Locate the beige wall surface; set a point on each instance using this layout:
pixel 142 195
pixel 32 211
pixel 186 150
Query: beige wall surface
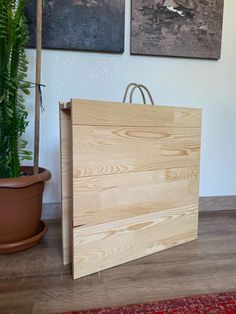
pixel 205 84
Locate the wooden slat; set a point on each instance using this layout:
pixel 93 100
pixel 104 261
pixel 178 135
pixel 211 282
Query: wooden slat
pixel 107 245
pixel 100 150
pixel 91 112
pixel 66 184
pixel 206 203
pixel 112 197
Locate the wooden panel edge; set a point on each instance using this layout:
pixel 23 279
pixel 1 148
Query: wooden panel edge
pixel 66 185
pixel 107 102
pixel 121 114
pixel 65 105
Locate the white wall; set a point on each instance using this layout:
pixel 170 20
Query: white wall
pixel 209 85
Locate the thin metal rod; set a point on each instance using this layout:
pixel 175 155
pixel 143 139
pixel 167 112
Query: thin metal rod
pixel 127 90
pixel 38 81
pixel 132 92
pixel 134 85
pixel 148 92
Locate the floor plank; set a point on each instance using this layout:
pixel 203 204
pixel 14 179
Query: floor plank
pixel 35 281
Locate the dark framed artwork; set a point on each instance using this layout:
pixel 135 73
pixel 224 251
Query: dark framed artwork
pixel 92 25
pixel 179 28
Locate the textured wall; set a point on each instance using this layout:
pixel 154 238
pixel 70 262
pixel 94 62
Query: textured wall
pixel 209 85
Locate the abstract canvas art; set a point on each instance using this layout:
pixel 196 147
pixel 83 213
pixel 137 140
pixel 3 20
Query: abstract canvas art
pixel 93 25
pixel 179 28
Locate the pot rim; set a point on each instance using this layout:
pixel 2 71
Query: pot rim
pixel 23 181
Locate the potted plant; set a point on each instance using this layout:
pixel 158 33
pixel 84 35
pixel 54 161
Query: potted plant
pixel 20 190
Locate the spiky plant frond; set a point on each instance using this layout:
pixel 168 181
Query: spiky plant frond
pixel 13 68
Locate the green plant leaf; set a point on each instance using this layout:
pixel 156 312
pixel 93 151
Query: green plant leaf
pixel 13 70
pixel 2 98
pixel 25 91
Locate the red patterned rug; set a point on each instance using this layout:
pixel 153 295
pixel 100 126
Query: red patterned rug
pixel 205 304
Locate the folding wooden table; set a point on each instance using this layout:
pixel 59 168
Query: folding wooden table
pixel 130 180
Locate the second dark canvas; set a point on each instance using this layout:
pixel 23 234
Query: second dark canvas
pixel 93 25
pixel 179 28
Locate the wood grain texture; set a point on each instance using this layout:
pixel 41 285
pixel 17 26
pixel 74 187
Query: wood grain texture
pixel 92 112
pixel 35 281
pixel 102 246
pixel 39 15
pixel 206 203
pixel 107 198
pixel 66 184
pixel 135 168
pixel 100 150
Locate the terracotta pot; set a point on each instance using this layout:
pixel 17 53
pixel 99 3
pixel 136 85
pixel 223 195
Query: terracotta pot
pixel 21 206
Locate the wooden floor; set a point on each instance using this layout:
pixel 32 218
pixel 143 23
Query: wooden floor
pixel 35 281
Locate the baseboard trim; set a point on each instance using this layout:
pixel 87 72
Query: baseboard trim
pixel 51 211
pixel 217 203
pixel 207 203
